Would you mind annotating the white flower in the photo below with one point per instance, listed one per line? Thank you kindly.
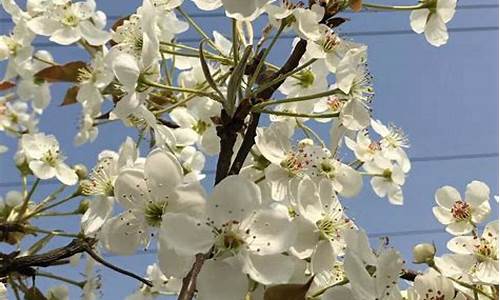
(14, 117)
(3, 149)
(354, 81)
(91, 80)
(196, 125)
(240, 230)
(315, 161)
(29, 87)
(45, 159)
(387, 179)
(483, 251)
(67, 23)
(460, 216)
(432, 21)
(320, 219)
(432, 285)
(3, 292)
(382, 284)
(16, 48)
(307, 22)
(101, 182)
(147, 194)
(393, 142)
(364, 148)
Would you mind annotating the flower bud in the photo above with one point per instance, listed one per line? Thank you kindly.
(82, 208)
(423, 253)
(81, 171)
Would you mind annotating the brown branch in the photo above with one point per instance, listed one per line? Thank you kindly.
(249, 138)
(25, 265)
(189, 282)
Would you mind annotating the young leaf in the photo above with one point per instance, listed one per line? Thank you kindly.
(62, 73)
(34, 293)
(5, 85)
(235, 81)
(288, 291)
(70, 97)
(206, 72)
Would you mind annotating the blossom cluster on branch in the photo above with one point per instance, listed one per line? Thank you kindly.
(273, 226)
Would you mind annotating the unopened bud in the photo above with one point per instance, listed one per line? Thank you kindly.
(22, 163)
(81, 171)
(82, 208)
(423, 253)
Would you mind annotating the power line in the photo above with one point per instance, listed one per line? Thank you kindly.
(222, 14)
(290, 36)
(413, 159)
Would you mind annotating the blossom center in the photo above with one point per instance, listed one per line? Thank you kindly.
(461, 211)
(485, 250)
(100, 181)
(306, 78)
(154, 212)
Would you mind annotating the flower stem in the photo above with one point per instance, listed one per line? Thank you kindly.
(296, 99)
(198, 28)
(80, 284)
(394, 7)
(177, 89)
(27, 198)
(299, 115)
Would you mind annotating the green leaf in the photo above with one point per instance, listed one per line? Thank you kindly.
(234, 84)
(39, 245)
(206, 72)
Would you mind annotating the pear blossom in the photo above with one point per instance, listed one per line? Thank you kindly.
(320, 219)
(382, 284)
(431, 285)
(460, 215)
(45, 159)
(387, 179)
(364, 148)
(15, 117)
(16, 48)
(241, 9)
(432, 20)
(288, 163)
(66, 23)
(242, 233)
(208, 4)
(307, 22)
(196, 126)
(393, 142)
(101, 181)
(483, 251)
(147, 194)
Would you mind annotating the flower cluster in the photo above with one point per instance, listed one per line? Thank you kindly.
(274, 224)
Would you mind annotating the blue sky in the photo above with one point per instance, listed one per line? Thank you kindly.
(446, 100)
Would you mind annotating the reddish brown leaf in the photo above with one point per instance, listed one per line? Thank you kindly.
(356, 5)
(70, 97)
(5, 85)
(62, 73)
(288, 291)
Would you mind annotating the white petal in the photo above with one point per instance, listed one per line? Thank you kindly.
(355, 115)
(350, 179)
(443, 215)
(338, 293)
(42, 170)
(186, 235)
(122, 234)
(208, 4)
(269, 269)
(100, 209)
(93, 35)
(273, 142)
(65, 174)
(487, 272)
(43, 25)
(446, 196)
(323, 257)
(309, 204)
(446, 9)
(126, 69)
(476, 193)
(130, 188)
(459, 228)
(66, 36)
(418, 19)
(307, 237)
(222, 281)
(172, 264)
(234, 198)
(126, 105)
(461, 244)
(271, 231)
(357, 241)
(435, 31)
(162, 171)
